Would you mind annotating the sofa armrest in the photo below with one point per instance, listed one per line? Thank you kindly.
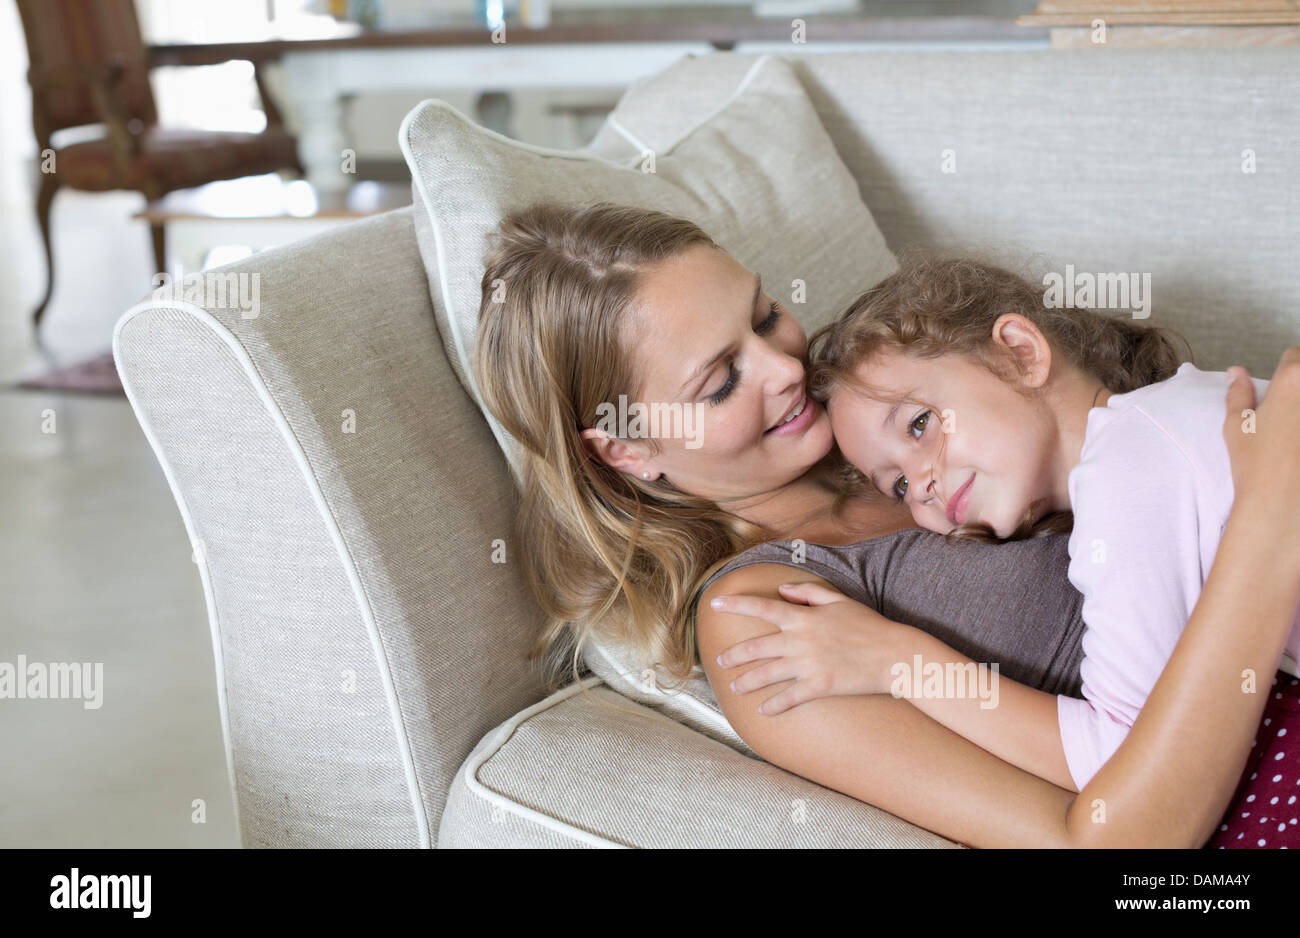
(342, 495)
(586, 767)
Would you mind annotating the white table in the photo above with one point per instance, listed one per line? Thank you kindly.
(584, 49)
(316, 82)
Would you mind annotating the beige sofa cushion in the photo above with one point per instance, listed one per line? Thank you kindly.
(586, 768)
(759, 174)
(1067, 157)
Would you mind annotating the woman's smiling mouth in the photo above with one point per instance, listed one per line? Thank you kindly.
(799, 417)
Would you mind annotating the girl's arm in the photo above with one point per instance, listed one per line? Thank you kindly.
(1015, 722)
(875, 748)
(846, 648)
(1170, 779)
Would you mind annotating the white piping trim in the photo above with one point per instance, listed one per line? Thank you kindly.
(499, 738)
(331, 525)
(703, 711)
(626, 134)
(740, 89)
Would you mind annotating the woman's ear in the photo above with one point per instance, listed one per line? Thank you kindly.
(616, 453)
(1027, 345)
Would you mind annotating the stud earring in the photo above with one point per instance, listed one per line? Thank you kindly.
(645, 475)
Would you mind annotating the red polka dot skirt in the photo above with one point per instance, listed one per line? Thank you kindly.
(1265, 811)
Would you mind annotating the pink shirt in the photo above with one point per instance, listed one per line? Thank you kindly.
(1151, 494)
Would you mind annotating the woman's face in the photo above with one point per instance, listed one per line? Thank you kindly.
(974, 449)
(733, 357)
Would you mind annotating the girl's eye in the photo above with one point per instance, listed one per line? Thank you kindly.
(917, 429)
(768, 324)
(720, 395)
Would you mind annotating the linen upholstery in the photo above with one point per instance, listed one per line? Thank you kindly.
(418, 493)
(590, 761)
(789, 211)
(347, 321)
(1129, 160)
(302, 778)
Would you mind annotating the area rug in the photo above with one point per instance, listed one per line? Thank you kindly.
(96, 375)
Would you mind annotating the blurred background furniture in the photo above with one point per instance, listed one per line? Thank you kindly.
(584, 48)
(366, 553)
(226, 221)
(1121, 24)
(89, 65)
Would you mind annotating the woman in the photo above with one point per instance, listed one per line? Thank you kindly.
(582, 305)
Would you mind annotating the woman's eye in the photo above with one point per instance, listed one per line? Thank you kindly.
(768, 324)
(900, 488)
(918, 425)
(720, 395)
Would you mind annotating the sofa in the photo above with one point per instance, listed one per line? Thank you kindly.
(337, 480)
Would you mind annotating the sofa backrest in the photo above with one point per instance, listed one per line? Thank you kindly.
(1109, 161)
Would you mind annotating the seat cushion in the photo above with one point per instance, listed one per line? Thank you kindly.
(587, 768)
(176, 159)
(759, 175)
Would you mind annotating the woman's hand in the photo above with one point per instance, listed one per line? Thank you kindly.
(1264, 446)
(829, 643)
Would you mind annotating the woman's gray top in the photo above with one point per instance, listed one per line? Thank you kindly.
(1009, 603)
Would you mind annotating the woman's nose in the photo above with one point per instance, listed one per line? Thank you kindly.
(782, 371)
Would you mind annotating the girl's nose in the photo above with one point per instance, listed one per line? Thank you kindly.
(921, 481)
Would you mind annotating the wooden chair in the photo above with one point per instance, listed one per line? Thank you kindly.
(89, 65)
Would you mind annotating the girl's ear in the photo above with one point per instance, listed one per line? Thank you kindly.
(1025, 342)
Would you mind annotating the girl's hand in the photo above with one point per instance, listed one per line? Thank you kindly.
(829, 643)
(1264, 445)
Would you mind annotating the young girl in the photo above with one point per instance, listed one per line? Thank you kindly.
(953, 388)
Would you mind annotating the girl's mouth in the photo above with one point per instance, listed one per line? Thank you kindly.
(956, 510)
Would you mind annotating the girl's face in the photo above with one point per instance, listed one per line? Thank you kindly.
(708, 338)
(964, 446)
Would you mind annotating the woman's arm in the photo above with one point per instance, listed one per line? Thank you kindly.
(1170, 780)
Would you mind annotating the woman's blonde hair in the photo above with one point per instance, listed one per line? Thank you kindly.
(934, 306)
(604, 552)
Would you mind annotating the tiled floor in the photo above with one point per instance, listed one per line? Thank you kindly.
(103, 267)
(95, 567)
